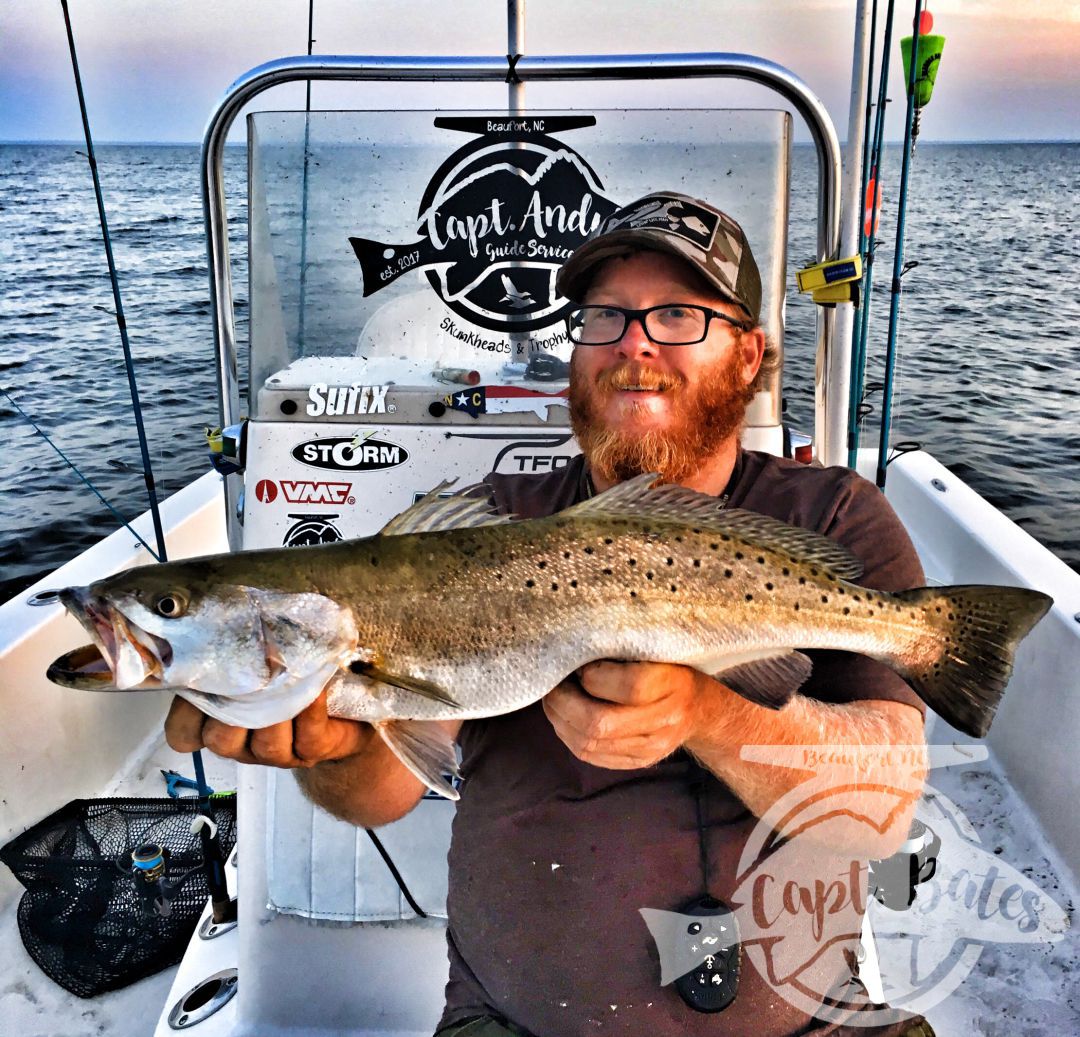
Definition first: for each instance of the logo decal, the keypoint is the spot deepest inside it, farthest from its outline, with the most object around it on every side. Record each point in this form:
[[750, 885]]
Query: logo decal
[[361, 453], [347, 399], [504, 399], [300, 492], [497, 221], [312, 529], [266, 491]]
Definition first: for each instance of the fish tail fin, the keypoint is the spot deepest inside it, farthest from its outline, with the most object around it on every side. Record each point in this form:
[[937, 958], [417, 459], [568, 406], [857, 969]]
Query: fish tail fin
[[977, 629], [425, 748]]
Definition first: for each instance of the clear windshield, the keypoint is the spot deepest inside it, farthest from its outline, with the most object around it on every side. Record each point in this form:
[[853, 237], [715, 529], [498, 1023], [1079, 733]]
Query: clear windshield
[[421, 248]]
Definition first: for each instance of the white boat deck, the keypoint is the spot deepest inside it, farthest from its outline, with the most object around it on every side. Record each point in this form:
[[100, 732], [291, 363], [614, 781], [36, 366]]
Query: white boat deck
[[1023, 816]]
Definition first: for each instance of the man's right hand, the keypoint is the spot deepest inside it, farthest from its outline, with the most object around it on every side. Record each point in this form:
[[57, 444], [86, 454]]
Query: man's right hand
[[309, 738]]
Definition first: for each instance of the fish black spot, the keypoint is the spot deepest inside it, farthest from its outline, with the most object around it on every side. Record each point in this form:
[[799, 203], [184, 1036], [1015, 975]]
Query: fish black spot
[[768, 586], [554, 586], [633, 594], [830, 577], [813, 572], [749, 597], [952, 615], [374, 560], [649, 575], [739, 555], [786, 572], [678, 539], [530, 583], [670, 561], [697, 563], [728, 574], [695, 530], [588, 550], [824, 599], [566, 554], [498, 576], [840, 590], [673, 588], [802, 579], [761, 559], [607, 572], [714, 547], [847, 611], [608, 540], [855, 597], [573, 583], [796, 606], [631, 561], [725, 537], [541, 565]]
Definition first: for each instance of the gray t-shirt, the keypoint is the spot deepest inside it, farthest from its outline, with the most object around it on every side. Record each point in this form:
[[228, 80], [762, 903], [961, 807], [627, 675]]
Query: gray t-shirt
[[552, 858]]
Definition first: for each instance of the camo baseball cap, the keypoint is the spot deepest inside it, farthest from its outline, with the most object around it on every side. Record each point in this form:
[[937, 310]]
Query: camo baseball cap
[[708, 239]]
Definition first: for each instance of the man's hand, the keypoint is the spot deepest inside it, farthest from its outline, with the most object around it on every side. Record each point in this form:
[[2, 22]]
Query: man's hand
[[309, 738], [629, 714]]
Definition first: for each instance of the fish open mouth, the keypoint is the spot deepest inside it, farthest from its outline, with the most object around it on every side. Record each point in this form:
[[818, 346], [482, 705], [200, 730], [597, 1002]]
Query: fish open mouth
[[122, 655], [87, 669]]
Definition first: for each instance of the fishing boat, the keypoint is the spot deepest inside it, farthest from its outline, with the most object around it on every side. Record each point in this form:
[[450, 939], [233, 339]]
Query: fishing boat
[[403, 331]]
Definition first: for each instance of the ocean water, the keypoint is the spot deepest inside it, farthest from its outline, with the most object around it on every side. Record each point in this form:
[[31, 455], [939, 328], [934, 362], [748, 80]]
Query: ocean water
[[989, 379]]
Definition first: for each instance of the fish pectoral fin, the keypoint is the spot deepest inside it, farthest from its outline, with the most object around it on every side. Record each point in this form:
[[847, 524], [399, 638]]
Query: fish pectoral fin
[[417, 685], [426, 749], [466, 509], [769, 681]]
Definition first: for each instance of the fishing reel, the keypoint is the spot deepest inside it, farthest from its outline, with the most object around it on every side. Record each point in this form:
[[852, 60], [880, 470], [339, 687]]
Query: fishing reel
[[148, 867]]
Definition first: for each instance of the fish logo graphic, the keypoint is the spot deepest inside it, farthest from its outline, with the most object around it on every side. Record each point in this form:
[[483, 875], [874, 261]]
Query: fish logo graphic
[[496, 222]]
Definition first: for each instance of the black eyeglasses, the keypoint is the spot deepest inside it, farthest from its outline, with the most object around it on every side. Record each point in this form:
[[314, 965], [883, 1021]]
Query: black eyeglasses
[[673, 324]]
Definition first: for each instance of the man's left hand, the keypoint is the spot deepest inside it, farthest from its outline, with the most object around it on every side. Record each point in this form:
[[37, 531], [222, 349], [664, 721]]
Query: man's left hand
[[624, 715]]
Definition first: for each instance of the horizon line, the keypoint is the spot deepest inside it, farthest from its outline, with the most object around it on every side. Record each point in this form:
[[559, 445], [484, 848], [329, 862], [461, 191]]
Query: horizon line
[[798, 144]]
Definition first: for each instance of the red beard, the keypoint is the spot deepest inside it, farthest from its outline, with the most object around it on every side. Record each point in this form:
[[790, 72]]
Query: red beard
[[709, 413]]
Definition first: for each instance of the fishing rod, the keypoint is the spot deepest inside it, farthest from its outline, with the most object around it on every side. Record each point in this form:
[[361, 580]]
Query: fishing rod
[[121, 322], [871, 175], [148, 475], [304, 209], [898, 254]]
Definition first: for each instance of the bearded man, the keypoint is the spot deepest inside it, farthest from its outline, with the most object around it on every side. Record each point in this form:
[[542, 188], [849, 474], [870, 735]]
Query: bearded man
[[625, 788]]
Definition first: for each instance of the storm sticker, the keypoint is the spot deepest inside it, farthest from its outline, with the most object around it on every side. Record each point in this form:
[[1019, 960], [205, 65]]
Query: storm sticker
[[350, 454]]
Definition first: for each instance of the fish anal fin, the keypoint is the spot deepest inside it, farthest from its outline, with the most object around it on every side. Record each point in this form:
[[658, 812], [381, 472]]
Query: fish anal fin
[[467, 509], [417, 685], [426, 749], [769, 681], [637, 498]]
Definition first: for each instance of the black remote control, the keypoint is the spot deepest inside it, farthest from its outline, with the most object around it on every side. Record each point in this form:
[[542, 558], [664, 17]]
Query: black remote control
[[712, 932]]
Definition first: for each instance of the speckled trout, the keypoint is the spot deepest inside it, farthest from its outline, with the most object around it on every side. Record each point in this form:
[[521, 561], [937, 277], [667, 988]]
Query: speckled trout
[[454, 612]]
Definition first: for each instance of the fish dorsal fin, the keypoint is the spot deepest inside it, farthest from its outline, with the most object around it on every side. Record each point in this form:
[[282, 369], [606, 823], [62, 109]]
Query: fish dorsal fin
[[466, 509], [638, 498]]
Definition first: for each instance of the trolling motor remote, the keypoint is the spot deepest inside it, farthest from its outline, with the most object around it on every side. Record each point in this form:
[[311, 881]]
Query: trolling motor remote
[[711, 929]]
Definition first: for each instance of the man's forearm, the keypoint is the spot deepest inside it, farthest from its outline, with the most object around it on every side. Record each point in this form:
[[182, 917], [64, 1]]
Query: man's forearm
[[872, 783], [369, 789]]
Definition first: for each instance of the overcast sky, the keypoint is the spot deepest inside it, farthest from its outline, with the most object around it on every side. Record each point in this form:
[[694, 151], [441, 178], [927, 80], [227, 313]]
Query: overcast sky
[[154, 69]]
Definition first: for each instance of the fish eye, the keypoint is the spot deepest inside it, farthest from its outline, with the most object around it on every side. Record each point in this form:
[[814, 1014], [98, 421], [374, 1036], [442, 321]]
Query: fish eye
[[170, 605]]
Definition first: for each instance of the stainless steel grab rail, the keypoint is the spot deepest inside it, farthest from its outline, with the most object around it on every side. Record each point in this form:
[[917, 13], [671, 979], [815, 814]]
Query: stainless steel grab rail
[[492, 70]]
